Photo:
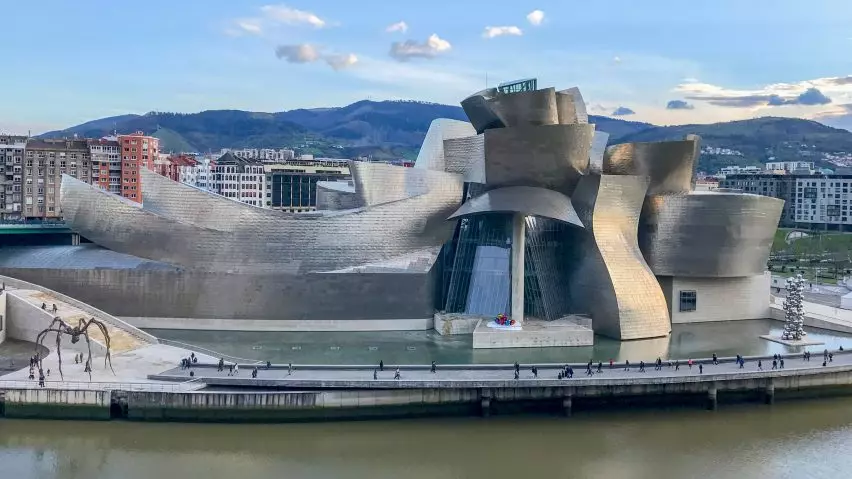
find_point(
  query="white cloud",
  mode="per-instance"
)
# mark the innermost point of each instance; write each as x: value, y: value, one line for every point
x: 616, y: 59
x: 307, y: 53
x: 302, y: 53
x: 397, y: 27
x: 814, y: 93
x: 250, y: 25
x: 535, y: 17
x: 291, y: 16
x: 339, y: 62
x: 432, y: 47
x: 491, y: 32
x: 420, y: 81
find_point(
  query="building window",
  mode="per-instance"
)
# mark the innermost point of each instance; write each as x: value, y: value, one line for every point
x: 688, y: 301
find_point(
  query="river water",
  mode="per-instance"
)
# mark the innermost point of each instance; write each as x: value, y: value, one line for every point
x: 801, y: 439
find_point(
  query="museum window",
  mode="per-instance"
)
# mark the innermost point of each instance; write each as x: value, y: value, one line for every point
x: 688, y: 301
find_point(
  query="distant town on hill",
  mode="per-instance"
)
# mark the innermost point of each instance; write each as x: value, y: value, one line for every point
x: 385, y: 130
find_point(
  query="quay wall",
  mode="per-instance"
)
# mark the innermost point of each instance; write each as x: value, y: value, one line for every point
x: 245, y: 400
x: 4, y: 317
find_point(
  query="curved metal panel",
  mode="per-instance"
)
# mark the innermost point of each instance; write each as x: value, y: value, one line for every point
x: 537, y: 107
x: 669, y: 164
x: 548, y: 156
x: 708, y: 234
x: 336, y: 195
x: 466, y: 156
x: 571, y: 107
x: 176, y: 234
x: 380, y: 183
x: 522, y: 199
x: 431, y: 155
x: 479, y: 110
x: 612, y: 280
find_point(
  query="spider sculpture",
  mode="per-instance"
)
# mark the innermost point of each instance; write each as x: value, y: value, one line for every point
x: 60, y: 327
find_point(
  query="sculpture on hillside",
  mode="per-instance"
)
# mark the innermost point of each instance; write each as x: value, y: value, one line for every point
x: 794, y: 313
x: 60, y: 327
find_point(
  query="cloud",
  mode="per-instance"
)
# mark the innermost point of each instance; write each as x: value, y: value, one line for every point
x: 678, y: 105
x: 397, y: 27
x: 535, y: 17
x: 249, y: 25
x: 307, y: 53
x: 805, y: 93
x: 302, y: 53
x: 339, y: 62
x: 434, y: 45
x: 616, y: 59
x: 491, y: 32
x: 291, y: 16
x: 622, y: 111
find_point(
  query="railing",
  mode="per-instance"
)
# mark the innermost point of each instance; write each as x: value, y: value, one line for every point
x: 103, y: 386
x: 32, y: 224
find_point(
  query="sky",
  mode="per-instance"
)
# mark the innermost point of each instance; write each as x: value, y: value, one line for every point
x: 659, y: 61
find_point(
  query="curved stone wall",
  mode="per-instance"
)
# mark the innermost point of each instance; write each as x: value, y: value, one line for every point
x: 710, y: 235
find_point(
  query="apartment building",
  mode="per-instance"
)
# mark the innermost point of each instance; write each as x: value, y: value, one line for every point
x: 137, y: 151
x: 775, y: 185
x: 45, y: 161
x: 264, y: 155
x: 198, y: 174
x: 823, y: 202
x: 106, y: 164
x: 11, y: 165
x: 239, y: 179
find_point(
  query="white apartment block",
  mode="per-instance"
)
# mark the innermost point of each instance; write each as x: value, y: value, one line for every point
x: 239, y: 179
x: 266, y: 155
x: 740, y: 170
x: 791, y: 166
x: 823, y: 202
x: 11, y: 164
x: 199, y: 175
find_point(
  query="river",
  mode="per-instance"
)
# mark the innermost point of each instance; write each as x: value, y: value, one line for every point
x: 801, y: 439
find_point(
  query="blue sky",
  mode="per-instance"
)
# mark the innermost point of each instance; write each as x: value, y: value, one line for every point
x: 68, y: 62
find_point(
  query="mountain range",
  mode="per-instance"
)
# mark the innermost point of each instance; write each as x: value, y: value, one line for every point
x: 393, y: 129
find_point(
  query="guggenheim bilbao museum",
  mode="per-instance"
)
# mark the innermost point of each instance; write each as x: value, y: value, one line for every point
x: 523, y: 211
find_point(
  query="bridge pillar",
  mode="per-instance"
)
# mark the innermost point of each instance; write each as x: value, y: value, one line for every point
x: 568, y: 405
x: 712, y: 398
x: 769, y: 393
x: 485, y: 402
x: 75, y: 239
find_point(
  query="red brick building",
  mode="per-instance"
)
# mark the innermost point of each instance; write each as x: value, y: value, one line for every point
x: 137, y: 151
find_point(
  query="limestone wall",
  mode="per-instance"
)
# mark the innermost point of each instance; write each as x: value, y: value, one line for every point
x: 24, y: 321
x: 719, y: 299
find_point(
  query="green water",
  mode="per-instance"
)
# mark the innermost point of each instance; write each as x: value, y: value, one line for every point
x: 789, y: 440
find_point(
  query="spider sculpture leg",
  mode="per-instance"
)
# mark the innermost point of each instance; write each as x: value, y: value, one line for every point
x: 108, y: 356
x: 89, y: 359
x: 59, y: 354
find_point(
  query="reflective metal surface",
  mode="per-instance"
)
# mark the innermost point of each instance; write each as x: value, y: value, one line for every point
x: 431, y: 155
x: 708, y: 234
x: 336, y: 195
x: 571, y: 107
x: 611, y: 281
x: 466, y: 156
x: 549, y: 156
x: 521, y: 199
x: 479, y: 111
x: 233, y: 237
x: 669, y: 164
x: 528, y: 108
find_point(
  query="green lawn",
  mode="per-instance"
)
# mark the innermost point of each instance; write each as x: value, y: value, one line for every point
x: 839, y: 244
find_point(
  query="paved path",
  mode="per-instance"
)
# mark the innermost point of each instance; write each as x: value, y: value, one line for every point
x: 505, y: 372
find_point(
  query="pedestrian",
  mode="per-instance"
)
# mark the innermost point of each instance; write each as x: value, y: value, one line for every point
x: 700, y: 369
x: 774, y: 364
x: 715, y: 360
x: 254, y: 373
x: 742, y: 363
x: 269, y: 365
x: 236, y: 369
x: 825, y: 355
x: 658, y: 366
x: 517, y: 374
x: 221, y: 364
x: 48, y: 372
x: 192, y: 374
x: 55, y: 308
x: 760, y: 365
x: 434, y: 367
x: 43, y: 306
x: 290, y: 368
x: 841, y: 348
x: 641, y: 366
x: 75, y: 359
x: 689, y: 363
x: 782, y: 363
x: 823, y: 364
x: 626, y: 365
x: 381, y: 365
x: 559, y: 376
x: 830, y: 357
x: 396, y: 374
x: 610, y: 363
x: 375, y: 374
x: 600, y: 367
x: 517, y: 368
x: 41, y: 378
x: 535, y: 372
x: 677, y: 365
x: 31, y: 376
x: 570, y: 372
x: 589, y: 370
x: 192, y: 357
x: 230, y: 370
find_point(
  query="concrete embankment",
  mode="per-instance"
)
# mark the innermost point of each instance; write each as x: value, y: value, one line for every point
x: 327, y: 394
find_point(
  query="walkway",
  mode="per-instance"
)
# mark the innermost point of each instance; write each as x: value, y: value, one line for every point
x: 331, y: 376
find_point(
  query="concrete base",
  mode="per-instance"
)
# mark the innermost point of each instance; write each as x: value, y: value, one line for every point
x: 790, y: 342
x: 448, y: 324
x: 310, y: 325
x: 535, y: 334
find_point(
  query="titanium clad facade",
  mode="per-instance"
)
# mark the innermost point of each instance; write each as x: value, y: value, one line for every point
x: 522, y: 199
x: 571, y: 107
x: 336, y: 195
x: 431, y: 155
x: 612, y: 282
x: 265, y: 242
x: 537, y: 107
x: 550, y: 156
x: 669, y: 164
x: 480, y: 112
x: 709, y: 235
x: 466, y: 156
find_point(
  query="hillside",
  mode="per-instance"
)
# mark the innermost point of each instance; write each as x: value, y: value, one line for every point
x: 392, y: 129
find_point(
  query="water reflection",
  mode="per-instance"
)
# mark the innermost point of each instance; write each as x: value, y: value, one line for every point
x: 421, y: 347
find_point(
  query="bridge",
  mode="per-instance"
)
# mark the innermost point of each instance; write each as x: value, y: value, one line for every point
x: 24, y: 227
